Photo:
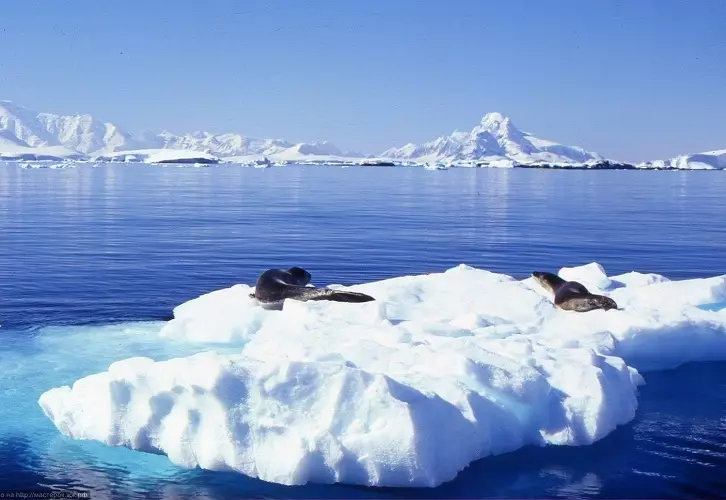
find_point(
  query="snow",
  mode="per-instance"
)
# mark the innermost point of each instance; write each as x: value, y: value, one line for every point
x: 181, y: 156
x: 293, y: 155
x: 88, y: 136
x: 709, y: 160
x: 80, y: 133
x: 494, y: 140
x: 157, y: 156
x: 441, y: 370
x: 12, y: 152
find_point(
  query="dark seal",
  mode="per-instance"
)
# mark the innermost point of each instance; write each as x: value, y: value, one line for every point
x: 275, y: 285
x: 571, y: 295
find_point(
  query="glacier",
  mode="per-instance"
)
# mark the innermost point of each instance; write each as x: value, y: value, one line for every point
x: 443, y: 369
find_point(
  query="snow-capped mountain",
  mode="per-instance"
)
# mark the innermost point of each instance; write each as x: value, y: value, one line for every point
x: 221, y: 144
x: 495, y: 141
x: 80, y: 133
x: 495, y: 138
x: 22, y: 128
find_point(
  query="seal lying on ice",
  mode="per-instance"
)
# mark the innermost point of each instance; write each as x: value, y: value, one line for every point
x: 275, y: 285
x: 571, y: 295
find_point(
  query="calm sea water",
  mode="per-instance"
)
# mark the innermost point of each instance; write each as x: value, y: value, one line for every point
x: 91, y: 258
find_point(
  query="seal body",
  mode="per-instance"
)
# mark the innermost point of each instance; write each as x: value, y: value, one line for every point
x: 571, y: 295
x: 275, y: 285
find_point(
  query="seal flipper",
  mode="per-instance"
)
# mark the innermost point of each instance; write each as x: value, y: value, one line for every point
x: 305, y: 293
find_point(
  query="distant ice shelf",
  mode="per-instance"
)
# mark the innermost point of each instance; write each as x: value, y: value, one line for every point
x: 443, y: 369
x: 709, y: 160
x: 180, y: 156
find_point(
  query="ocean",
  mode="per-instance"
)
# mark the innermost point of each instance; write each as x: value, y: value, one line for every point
x: 91, y: 258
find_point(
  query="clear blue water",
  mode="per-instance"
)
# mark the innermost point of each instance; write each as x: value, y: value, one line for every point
x: 91, y: 259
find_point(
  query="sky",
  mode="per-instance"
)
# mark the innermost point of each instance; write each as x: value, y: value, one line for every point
x: 632, y: 80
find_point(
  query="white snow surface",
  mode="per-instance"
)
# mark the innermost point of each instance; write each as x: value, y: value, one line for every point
x: 49, y: 153
x: 495, y: 139
x: 12, y: 148
x: 80, y: 133
x: 495, y: 142
x: 20, y: 126
x: 155, y: 156
x: 441, y: 370
x: 708, y: 160
x: 171, y: 155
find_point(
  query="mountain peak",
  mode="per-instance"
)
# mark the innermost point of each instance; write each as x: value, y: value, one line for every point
x: 493, y: 118
x: 84, y: 134
x: 497, y: 124
x: 495, y: 137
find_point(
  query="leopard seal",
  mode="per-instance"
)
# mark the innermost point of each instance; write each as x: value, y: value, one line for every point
x: 275, y: 285
x: 571, y: 295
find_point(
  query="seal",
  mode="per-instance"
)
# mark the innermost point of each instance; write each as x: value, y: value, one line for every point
x: 571, y: 295
x: 275, y: 285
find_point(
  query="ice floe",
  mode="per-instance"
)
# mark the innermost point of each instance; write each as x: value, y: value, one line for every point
x: 443, y: 369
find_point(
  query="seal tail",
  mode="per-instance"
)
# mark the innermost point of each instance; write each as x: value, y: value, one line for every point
x: 304, y: 293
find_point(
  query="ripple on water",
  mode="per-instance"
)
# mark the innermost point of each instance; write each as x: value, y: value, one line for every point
x: 125, y: 243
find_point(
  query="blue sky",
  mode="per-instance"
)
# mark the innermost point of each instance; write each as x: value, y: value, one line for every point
x: 631, y: 79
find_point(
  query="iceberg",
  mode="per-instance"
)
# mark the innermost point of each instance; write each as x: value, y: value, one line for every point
x: 708, y: 160
x: 442, y: 370
x: 174, y: 156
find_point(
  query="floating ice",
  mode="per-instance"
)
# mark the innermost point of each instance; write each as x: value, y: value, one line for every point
x: 441, y: 370
x: 48, y: 165
x: 708, y: 160
x: 160, y: 156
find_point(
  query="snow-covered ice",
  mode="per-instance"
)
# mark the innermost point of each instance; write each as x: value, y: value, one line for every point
x: 14, y: 152
x: 158, y: 156
x: 181, y: 156
x: 708, y: 160
x: 443, y: 369
x: 50, y: 165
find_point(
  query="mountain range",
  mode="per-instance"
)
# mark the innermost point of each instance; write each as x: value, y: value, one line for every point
x: 22, y: 128
x: 494, y: 138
